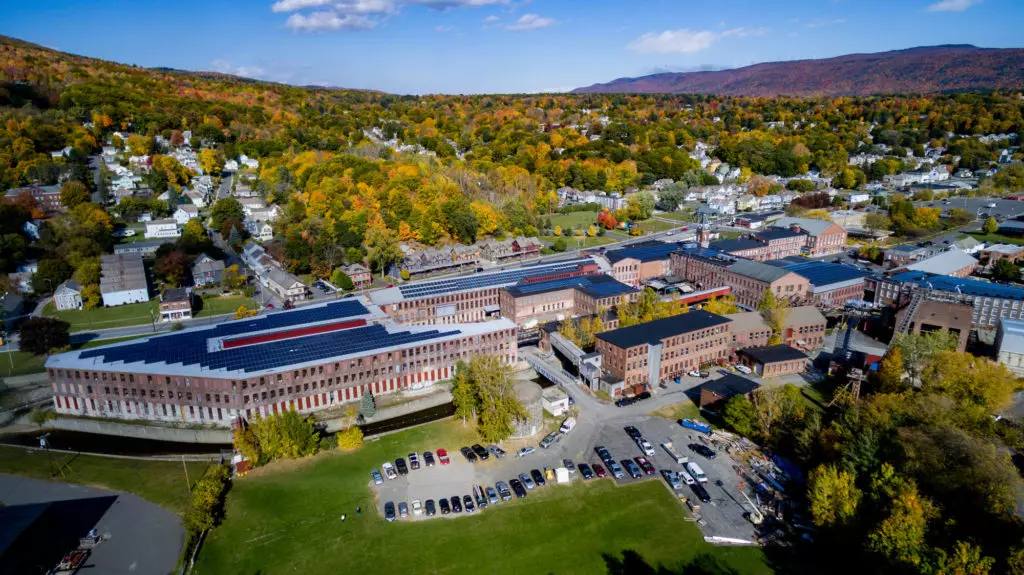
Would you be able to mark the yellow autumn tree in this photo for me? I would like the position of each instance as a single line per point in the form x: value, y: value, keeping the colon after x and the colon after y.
x: 486, y: 218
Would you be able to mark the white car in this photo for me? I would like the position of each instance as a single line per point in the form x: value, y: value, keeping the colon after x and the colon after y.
x: 646, y: 447
x: 742, y: 368
x: 693, y: 373
x: 389, y: 471
x: 417, y: 507
x: 687, y: 478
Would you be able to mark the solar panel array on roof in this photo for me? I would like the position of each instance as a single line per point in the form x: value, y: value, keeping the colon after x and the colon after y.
x: 644, y: 253
x: 598, y: 285
x: 964, y: 286
x: 188, y: 350
x: 494, y: 279
x: 826, y: 273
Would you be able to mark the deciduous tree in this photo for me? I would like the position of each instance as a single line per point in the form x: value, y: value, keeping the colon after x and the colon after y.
x: 833, y: 496
x: 41, y: 335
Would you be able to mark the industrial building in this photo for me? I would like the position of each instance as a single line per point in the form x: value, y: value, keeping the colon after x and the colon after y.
x: 540, y: 301
x: 990, y: 301
x: 642, y: 262
x: 468, y: 298
x: 304, y: 360
x: 123, y: 279
x: 748, y: 279
x: 832, y: 284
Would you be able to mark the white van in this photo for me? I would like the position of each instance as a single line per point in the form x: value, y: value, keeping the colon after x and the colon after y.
x: 567, y: 425
x: 696, y: 472
x: 686, y: 478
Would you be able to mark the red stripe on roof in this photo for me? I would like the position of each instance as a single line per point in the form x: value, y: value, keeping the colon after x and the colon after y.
x: 290, y: 333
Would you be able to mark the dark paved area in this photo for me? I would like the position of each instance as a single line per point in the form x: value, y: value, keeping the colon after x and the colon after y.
x: 141, y: 538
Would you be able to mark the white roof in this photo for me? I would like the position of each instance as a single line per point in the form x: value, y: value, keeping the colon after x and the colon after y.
x: 944, y: 263
x: 1011, y: 333
x: 1005, y: 248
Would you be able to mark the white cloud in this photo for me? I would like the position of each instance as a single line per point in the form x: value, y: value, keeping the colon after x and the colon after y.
x: 686, y: 41
x: 821, y: 23
x: 225, y: 67
x: 444, y: 29
x: 530, y: 22
x: 358, y: 14
x: 491, y: 19
x: 327, y: 20
x: 953, y: 5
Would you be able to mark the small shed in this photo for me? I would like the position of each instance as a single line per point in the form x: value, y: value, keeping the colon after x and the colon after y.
x: 562, y: 475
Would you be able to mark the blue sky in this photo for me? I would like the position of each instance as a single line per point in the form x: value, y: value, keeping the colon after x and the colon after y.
x: 474, y: 46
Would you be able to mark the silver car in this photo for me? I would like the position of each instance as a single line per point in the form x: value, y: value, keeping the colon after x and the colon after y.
x: 403, y: 510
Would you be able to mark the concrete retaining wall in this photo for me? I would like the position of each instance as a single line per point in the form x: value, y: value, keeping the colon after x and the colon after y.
x: 432, y: 400
x: 144, y: 431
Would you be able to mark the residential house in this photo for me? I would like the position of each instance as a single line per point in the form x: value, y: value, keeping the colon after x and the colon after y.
x: 517, y: 247
x: 197, y: 198
x: 747, y: 203
x: 142, y: 248
x: 165, y: 228
x: 68, y: 295
x: 206, y: 270
x: 250, y: 204
x: 184, y: 213
x: 175, y: 304
x: 261, y: 231
x: 31, y: 228
x: 359, y: 274
x: 123, y: 279
x: 285, y: 285
x: 231, y: 166
x: 267, y: 214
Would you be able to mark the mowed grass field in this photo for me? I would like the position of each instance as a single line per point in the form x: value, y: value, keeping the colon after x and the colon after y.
x: 107, y: 317
x: 285, y: 519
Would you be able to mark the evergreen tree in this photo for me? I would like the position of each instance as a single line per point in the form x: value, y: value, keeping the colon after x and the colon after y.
x: 368, y: 405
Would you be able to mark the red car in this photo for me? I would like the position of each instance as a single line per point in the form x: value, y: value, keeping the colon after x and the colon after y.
x: 644, y: 464
x: 598, y: 469
x: 442, y: 456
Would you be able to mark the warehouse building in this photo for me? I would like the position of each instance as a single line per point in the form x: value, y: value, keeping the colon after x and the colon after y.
x: 803, y: 328
x: 123, y: 279
x: 468, y: 298
x: 641, y: 263
x: 990, y: 301
x: 304, y: 360
x: 748, y: 279
x: 540, y: 301
x: 831, y: 284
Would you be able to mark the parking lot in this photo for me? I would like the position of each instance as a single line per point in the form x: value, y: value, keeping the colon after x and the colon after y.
x: 723, y: 517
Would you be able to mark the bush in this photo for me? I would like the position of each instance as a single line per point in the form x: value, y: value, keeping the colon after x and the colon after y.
x: 341, y: 280
x: 285, y: 435
x: 405, y: 275
x: 559, y: 245
x: 207, y: 504
x: 349, y: 439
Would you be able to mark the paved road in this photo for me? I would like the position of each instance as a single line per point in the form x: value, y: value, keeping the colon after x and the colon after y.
x: 140, y: 538
x: 94, y: 165
x: 225, y: 185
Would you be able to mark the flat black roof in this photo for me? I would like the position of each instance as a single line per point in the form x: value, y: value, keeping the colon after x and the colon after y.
x: 736, y: 244
x: 774, y: 353
x: 730, y: 385
x: 654, y: 331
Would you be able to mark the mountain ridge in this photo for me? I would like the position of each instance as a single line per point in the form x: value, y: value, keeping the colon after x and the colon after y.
x: 919, y: 69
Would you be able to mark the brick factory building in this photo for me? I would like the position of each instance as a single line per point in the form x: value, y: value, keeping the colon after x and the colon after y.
x: 832, y: 284
x: 642, y: 262
x: 304, y: 360
x: 804, y: 328
x: 468, y: 298
x: 770, y: 244
x: 560, y: 298
x: 823, y: 237
x: 932, y: 316
x: 748, y: 279
x: 774, y: 360
x: 655, y: 351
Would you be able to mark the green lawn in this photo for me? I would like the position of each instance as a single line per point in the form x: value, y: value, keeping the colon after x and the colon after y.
x: 682, y: 410
x: 285, y: 519
x: 162, y: 482
x: 218, y: 305
x: 576, y: 242
x: 24, y: 363
x: 571, y: 220
x: 681, y: 217
x: 107, y: 317
x: 654, y: 226
x: 994, y: 238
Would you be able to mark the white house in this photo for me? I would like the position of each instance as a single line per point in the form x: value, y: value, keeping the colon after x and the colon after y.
x: 859, y: 198
x: 68, y: 295
x: 123, y: 279
x: 231, y: 165
x: 270, y: 214
x: 250, y: 204
x: 165, y: 228
x: 184, y: 213
x: 197, y: 197
x: 261, y: 231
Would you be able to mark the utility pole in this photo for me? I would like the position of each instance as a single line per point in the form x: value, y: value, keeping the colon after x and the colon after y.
x: 188, y: 482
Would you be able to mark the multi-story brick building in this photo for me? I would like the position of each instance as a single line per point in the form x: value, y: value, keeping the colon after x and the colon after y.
x: 990, y: 301
x: 823, y: 237
x: 467, y: 298
x: 47, y: 197
x: 832, y: 284
x: 748, y: 279
x: 304, y: 360
x: 953, y: 262
x: 767, y: 245
x: 640, y: 263
x: 651, y: 352
x: 932, y: 316
x: 540, y: 301
x: 804, y: 328
x: 175, y: 304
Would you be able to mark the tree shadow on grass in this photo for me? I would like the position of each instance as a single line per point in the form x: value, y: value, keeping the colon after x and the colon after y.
x: 631, y: 563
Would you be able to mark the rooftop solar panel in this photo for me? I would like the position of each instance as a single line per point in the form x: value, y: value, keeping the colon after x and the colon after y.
x: 489, y: 279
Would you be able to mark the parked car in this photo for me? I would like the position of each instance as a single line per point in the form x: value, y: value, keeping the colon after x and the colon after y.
x: 417, y: 507
x: 480, y: 452
x: 697, y: 473
x: 585, y: 471
x: 603, y: 453
x: 550, y: 439
x: 481, y: 496
x: 377, y: 479
x: 742, y: 368
x: 526, y: 451
x: 442, y: 456
x: 645, y: 465
x: 431, y: 509
x: 446, y: 508
x: 567, y: 425
x: 467, y: 502
x: 632, y: 432
x: 389, y: 471
x: 599, y: 470
x: 624, y: 402
x: 468, y: 454
x: 703, y: 450
x: 401, y: 467
x: 701, y: 493
x: 686, y: 478
x: 428, y: 459
x: 646, y: 447
x: 568, y: 464
x: 414, y: 461
x: 693, y: 373
x: 492, y: 496
x: 615, y: 469
x: 403, y: 510
x: 389, y: 511
x: 549, y: 473
x: 632, y: 468
x: 503, y: 490
x: 496, y: 451
x: 456, y: 504
x: 527, y: 481
x: 517, y: 488
x: 538, y: 477
x: 672, y: 479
